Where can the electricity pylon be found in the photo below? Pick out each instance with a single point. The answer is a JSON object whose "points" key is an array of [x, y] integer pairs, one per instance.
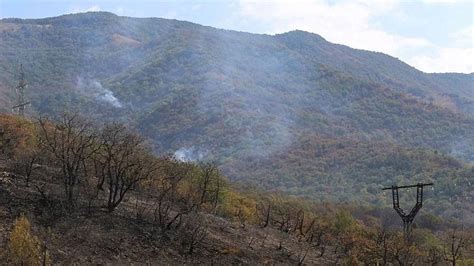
{"points": [[408, 218], [20, 91]]}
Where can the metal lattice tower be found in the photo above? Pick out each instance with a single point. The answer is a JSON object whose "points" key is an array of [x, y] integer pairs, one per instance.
{"points": [[408, 218], [20, 90]]}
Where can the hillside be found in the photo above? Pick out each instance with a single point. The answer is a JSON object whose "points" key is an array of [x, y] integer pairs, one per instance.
{"points": [[290, 112], [173, 212]]}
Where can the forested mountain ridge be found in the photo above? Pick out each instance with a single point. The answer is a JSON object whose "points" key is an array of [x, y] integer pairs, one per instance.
{"points": [[384, 69], [271, 110]]}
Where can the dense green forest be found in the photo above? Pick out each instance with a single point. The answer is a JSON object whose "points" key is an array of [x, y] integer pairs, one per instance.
{"points": [[290, 113]]}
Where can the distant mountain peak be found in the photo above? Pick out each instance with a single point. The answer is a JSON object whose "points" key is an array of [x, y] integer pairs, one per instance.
{"points": [[92, 13], [302, 33]]}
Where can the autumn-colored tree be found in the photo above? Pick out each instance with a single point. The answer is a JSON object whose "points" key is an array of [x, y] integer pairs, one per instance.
{"points": [[403, 252], [383, 246], [203, 187], [434, 256], [209, 185], [18, 141], [17, 134], [344, 223], [239, 207], [455, 244], [23, 247]]}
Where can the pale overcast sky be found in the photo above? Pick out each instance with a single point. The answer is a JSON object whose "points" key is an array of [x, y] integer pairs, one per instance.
{"points": [[433, 36]]}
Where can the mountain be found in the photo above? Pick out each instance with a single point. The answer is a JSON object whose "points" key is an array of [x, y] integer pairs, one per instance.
{"points": [[289, 112]]}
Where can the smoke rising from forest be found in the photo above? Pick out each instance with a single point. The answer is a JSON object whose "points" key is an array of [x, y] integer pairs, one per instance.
{"points": [[95, 90], [189, 154]]}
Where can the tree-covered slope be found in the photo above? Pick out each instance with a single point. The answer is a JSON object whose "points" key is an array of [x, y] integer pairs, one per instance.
{"points": [[239, 98]]}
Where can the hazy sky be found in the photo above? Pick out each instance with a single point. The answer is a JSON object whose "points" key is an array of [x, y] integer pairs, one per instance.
{"points": [[433, 36]]}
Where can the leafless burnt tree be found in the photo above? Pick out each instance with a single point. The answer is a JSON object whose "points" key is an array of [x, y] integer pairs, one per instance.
{"points": [[170, 204], [69, 143], [194, 232], [122, 161], [263, 213], [25, 163]]}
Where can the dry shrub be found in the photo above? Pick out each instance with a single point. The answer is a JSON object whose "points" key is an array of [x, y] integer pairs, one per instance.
{"points": [[23, 247], [16, 135]]}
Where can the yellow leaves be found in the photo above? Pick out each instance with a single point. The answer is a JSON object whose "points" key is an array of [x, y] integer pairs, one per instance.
{"points": [[23, 247], [16, 134], [230, 251], [238, 206], [344, 222]]}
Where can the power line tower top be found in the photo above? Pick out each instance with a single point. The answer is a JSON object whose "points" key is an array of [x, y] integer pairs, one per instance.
{"points": [[408, 218], [20, 90]]}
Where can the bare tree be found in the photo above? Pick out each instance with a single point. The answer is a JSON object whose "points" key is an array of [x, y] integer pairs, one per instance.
{"points": [[69, 142], [170, 204], [316, 235], [405, 253], [264, 210], [122, 162], [194, 232], [286, 215], [300, 222], [435, 256], [456, 243], [209, 185], [303, 252], [283, 218], [25, 162], [383, 245]]}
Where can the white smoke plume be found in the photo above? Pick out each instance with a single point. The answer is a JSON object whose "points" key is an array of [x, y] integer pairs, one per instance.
{"points": [[106, 95], [94, 89], [188, 154]]}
